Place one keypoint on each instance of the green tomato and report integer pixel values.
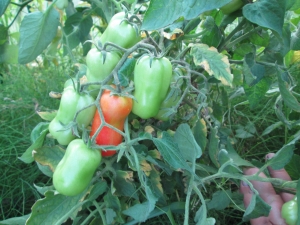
(75, 171)
(152, 78)
(120, 32)
(289, 212)
(232, 6)
(61, 4)
(99, 67)
(71, 102)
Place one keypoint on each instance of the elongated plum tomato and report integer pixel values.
(232, 6)
(115, 109)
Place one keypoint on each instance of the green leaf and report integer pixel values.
(224, 157)
(126, 71)
(37, 137)
(292, 4)
(170, 152)
(47, 115)
(256, 208)
(98, 189)
(211, 34)
(272, 127)
(37, 130)
(288, 98)
(139, 212)
(220, 200)
(124, 185)
(77, 29)
(3, 6)
(3, 34)
(237, 159)
(112, 201)
(295, 40)
(186, 143)
(282, 157)
(213, 147)
(43, 190)
(48, 156)
(162, 13)
(266, 13)
(200, 133)
(245, 131)
(15, 221)
(293, 167)
(55, 209)
(36, 33)
(214, 63)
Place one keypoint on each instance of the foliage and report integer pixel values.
(188, 168)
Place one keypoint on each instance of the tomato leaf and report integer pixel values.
(124, 185)
(171, 152)
(295, 40)
(48, 156)
(139, 212)
(220, 200)
(38, 135)
(98, 189)
(213, 148)
(55, 209)
(213, 62)
(47, 115)
(162, 13)
(293, 167)
(36, 33)
(200, 133)
(288, 98)
(186, 143)
(15, 221)
(3, 6)
(266, 13)
(256, 208)
(77, 28)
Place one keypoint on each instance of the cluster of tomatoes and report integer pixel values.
(78, 109)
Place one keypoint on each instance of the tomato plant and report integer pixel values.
(115, 110)
(198, 92)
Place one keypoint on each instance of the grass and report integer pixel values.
(22, 92)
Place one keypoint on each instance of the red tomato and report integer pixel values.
(115, 110)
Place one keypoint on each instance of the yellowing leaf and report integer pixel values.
(213, 62)
(146, 167)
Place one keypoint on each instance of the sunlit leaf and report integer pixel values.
(214, 63)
